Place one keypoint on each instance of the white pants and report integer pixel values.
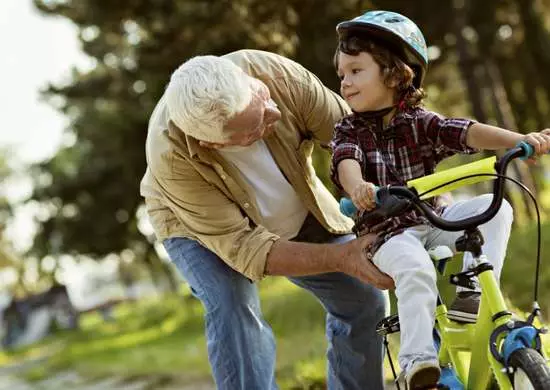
(404, 257)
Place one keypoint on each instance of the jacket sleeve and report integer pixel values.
(214, 220)
(321, 108)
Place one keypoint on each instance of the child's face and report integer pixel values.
(362, 84)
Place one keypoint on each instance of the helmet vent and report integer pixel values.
(393, 19)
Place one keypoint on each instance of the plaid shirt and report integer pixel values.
(411, 146)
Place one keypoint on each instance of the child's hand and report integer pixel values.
(540, 141)
(363, 196)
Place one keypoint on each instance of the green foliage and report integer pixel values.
(156, 338)
(518, 276)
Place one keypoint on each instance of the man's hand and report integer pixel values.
(291, 258)
(356, 263)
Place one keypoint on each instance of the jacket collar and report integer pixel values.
(187, 143)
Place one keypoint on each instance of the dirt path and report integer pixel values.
(71, 380)
(11, 379)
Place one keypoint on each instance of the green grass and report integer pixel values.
(165, 336)
(519, 272)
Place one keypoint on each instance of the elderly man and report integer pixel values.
(232, 194)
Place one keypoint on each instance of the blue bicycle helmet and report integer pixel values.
(396, 30)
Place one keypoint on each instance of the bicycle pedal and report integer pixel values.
(388, 325)
(463, 279)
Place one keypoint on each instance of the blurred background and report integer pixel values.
(88, 300)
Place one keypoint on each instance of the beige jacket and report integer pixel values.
(190, 191)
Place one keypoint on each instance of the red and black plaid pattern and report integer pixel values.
(411, 146)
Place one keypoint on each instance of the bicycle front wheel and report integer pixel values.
(530, 370)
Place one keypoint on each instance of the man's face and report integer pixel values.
(256, 121)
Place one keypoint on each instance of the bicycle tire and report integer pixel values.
(529, 364)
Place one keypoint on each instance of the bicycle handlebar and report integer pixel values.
(394, 200)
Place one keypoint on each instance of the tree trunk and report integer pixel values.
(505, 118)
(467, 64)
(467, 67)
(528, 111)
(537, 38)
(470, 67)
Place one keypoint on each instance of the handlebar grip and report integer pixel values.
(528, 150)
(348, 208)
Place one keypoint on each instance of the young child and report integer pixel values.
(381, 61)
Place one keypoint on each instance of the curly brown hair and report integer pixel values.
(394, 70)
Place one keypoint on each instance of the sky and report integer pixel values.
(36, 50)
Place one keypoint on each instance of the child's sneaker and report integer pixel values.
(465, 307)
(423, 375)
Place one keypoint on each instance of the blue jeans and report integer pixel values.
(241, 346)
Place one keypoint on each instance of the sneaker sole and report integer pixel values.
(461, 316)
(425, 379)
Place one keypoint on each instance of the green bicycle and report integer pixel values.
(498, 349)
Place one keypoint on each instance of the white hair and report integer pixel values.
(204, 93)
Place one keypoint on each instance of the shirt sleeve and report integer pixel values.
(320, 107)
(214, 220)
(448, 135)
(345, 146)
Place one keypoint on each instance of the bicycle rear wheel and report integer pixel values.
(530, 370)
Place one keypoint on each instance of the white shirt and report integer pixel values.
(282, 211)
